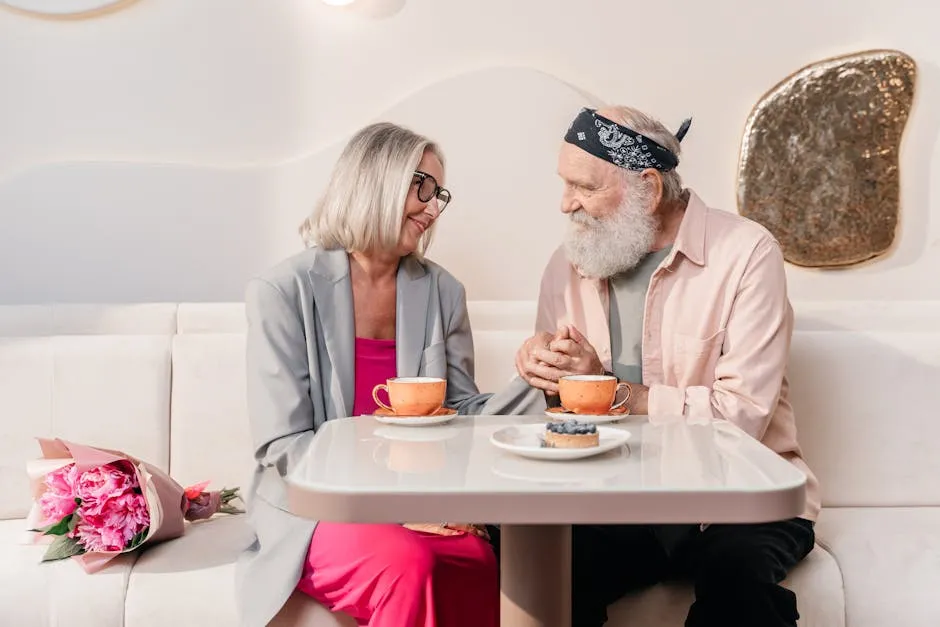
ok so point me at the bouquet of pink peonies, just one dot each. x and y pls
(94, 504)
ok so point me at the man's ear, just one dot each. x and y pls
(654, 179)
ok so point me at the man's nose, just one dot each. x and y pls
(569, 204)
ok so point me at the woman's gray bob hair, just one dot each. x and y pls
(362, 209)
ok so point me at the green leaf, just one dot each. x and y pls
(61, 548)
(136, 540)
(60, 528)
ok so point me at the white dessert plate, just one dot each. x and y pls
(592, 470)
(526, 440)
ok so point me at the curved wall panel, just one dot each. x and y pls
(152, 232)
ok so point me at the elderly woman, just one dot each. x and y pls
(359, 306)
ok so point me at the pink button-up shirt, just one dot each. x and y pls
(716, 328)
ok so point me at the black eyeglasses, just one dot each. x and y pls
(428, 189)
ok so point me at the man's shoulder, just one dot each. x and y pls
(723, 223)
(558, 263)
(557, 272)
(733, 233)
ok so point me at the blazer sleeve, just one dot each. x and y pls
(462, 391)
(280, 412)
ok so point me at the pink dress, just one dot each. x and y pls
(384, 575)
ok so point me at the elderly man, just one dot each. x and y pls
(688, 305)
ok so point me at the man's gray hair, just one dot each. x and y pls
(655, 130)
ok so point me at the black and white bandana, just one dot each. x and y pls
(620, 145)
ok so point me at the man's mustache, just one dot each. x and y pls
(581, 217)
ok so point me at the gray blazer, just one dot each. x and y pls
(300, 373)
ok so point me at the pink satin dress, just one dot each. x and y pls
(384, 575)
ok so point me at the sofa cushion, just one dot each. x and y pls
(56, 594)
(816, 582)
(87, 319)
(865, 409)
(193, 577)
(209, 432)
(890, 560)
(495, 357)
(211, 318)
(105, 390)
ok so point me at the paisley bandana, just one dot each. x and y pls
(620, 145)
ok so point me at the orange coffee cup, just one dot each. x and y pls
(590, 394)
(412, 396)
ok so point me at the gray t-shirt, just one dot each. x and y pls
(627, 304)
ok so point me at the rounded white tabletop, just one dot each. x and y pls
(670, 470)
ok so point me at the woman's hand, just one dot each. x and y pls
(449, 529)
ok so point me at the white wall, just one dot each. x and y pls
(167, 151)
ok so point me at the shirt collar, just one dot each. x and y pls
(690, 240)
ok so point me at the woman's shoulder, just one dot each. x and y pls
(447, 283)
(287, 276)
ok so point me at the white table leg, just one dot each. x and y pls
(535, 575)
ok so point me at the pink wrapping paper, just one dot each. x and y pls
(164, 496)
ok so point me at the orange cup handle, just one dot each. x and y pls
(375, 397)
(625, 386)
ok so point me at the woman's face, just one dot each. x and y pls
(420, 215)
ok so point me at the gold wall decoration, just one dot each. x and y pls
(819, 158)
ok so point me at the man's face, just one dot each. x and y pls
(591, 185)
(612, 226)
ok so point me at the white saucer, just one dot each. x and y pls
(526, 440)
(416, 421)
(416, 435)
(597, 419)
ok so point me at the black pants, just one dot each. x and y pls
(736, 569)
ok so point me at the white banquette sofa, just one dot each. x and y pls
(165, 382)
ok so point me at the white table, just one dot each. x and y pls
(670, 471)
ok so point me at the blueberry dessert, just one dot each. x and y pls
(571, 434)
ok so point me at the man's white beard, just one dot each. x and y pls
(602, 247)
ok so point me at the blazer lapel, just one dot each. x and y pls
(332, 292)
(411, 312)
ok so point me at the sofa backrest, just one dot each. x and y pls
(165, 382)
(209, 434)
(87, 373)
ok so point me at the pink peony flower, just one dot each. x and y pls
(110, 524)
(104, 482)
(58, 501)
